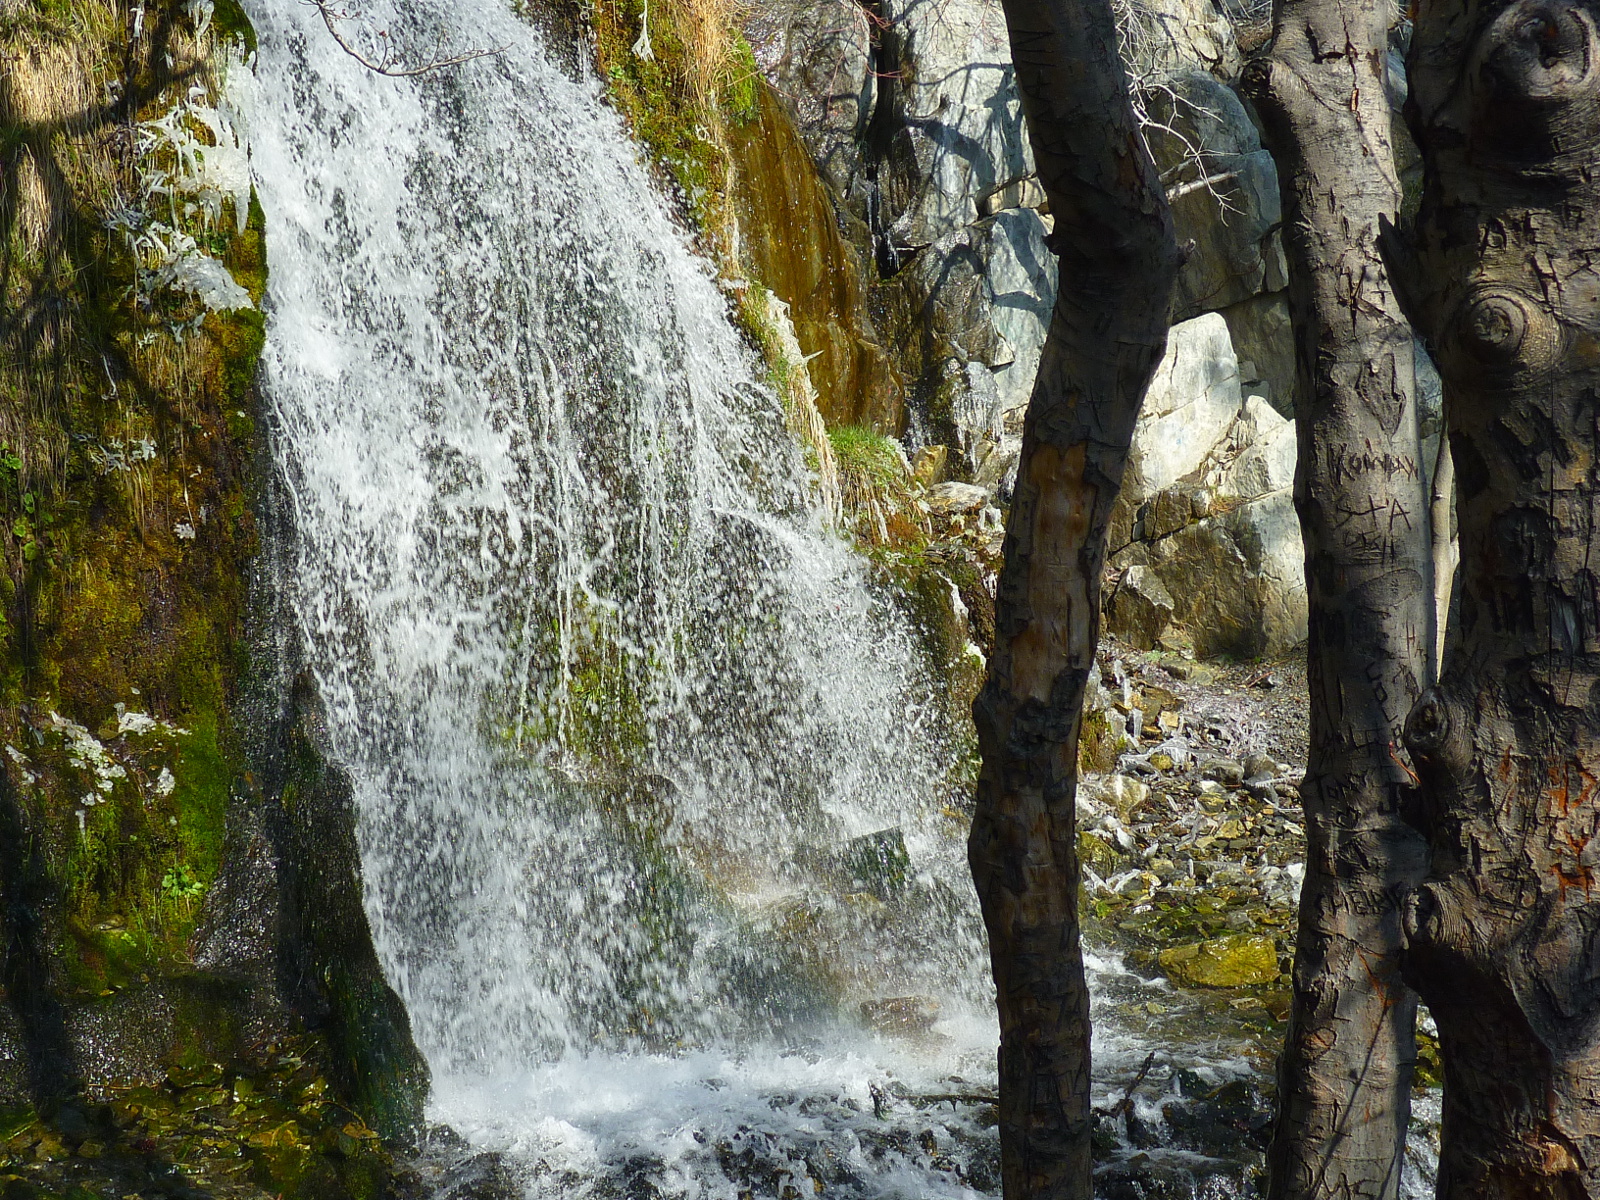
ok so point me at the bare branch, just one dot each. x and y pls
(390, 63)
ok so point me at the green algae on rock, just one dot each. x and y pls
(263, 1126)
(1241, 960)
(143, 875)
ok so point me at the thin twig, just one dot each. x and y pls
(1125, 1105)
(389, 64)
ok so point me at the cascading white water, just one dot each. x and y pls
(616, 705)
(578, 629)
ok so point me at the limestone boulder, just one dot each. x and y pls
(1264, 458)
(1237, 579)
(1141, 608)
(984, 294)
(1207, 509)
(958, 116)
(946, 499)
(1223, 187)
(1019, 277)
(1174, 35)
(1263, 339)
(1192, 403)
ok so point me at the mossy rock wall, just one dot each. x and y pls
(749, 186)
(790, 241)
(155, 897)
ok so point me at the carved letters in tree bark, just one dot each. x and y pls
(1345, 1075)
(1504, 937)
(1119, 262)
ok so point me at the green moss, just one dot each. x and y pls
(126, 528)
(600, 715)
(205, 776)
(1429, 1070)
(666, 107)
(1238, 960)
(1099, 743)
(264, 1123)
(741, 99)
(869, 456)
(232, 24)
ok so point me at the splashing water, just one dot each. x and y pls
(621, 715)
(602, 678)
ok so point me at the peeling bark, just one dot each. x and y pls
(1345, 1075)
(1119, 264)
(1504, 936)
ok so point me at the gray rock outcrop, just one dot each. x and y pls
(961, 139)
(1207, 507)
(1223, 188)
(910, 110)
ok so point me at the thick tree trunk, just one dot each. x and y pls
(1345, 1075)
(1504, 937)
(1119, 263)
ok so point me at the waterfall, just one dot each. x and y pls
(658, 812)
(642, 762)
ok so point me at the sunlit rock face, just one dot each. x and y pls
(1207, 508)
(910, 112)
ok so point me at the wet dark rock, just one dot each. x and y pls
(878, 863)
(1149, 1177)
(482, 1177)
(1222, 1118)
(1222, 770)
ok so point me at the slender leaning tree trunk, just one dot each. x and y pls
(1504, 937)
(1119, 261)
(1345, 1075)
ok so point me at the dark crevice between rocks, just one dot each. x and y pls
(883, 132)
(26, 896)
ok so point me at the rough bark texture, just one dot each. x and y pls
(1119, 263)
(1345, 1075)
(1504, 937)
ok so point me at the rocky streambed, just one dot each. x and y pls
(1192, 841)
(1192, 844)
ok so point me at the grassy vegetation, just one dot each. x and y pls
(680, 71)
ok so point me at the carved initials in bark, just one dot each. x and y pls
(1345, 1075)
(1504, 938)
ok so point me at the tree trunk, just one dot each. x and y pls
(1504, 936)
(1345, 1074)
(1119, 263)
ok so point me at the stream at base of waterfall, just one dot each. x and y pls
(662, 826)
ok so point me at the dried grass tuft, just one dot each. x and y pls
(709, 30)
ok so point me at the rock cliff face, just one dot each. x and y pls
(909, 111)
(178, 883)
(874, 180)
